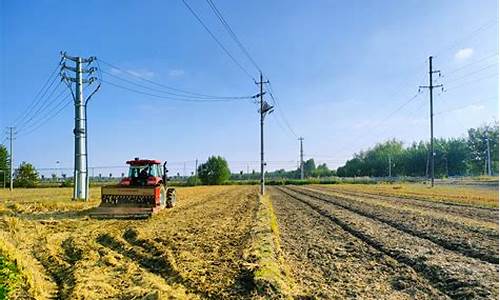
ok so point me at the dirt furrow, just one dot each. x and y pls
(467, 211)
(208, 239)
(329, 263)
(480, 243)
(458, 276)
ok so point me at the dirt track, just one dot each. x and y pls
(343, 245)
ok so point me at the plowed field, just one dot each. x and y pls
(324, 242)
(356, 245)
(194, 250)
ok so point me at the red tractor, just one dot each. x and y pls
(139, 195)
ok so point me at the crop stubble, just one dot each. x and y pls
(195, 250)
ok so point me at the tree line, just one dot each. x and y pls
(310, 170)
(464, 156)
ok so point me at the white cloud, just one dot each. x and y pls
(115, 71)
(142, 73)
(476, 107)
(464, 54)
(176, 73)
(135, 72)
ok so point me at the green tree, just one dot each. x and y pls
(214, 171)
(477, 142)
(4, 163)
(26, 175)
(309, 167)
(322, 171)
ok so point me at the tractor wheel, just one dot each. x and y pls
(170, 198)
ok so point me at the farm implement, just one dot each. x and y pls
(138, 196)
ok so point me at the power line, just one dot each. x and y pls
(174, 94)
(39, 114)
(167, 97)
(51, 114)
(235, 38)
(472, 81)
(42, 100)
(161, 84)
(474, 72)
(46, 103)
(232, 34)
(282, 114)
(50, 117)
(472, 63)
(471, 34)
(217, 40)
(465, 106)
(34, 102)
(482, 27)
(388, 116)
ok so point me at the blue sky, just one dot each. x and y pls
(338, 69)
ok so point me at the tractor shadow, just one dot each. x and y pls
(151, 258)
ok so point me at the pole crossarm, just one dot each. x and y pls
(64, 56)
(430, 87)
(89, 70)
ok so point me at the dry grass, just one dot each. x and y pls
(192, 251)
(448, 194)
(44, 200)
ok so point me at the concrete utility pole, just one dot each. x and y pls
(301, 139)
(489, 156)
(11, 152)
(264, 109)
(431, 87)
(80, 174)
(196, 168)
(390, 167)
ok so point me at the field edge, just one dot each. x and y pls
(271, 275)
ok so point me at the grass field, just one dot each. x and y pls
(222, 242)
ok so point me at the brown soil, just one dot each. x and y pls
(342, 246)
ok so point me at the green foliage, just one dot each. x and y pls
(453, 157)
(67, 183)
(310, 171)
(309, 167)
(323, 171)
(193, 180)
(477, 142)
(214, 171)
(26, 175)
(4, 163)
(10, 277)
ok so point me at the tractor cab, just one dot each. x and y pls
(144, 172)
